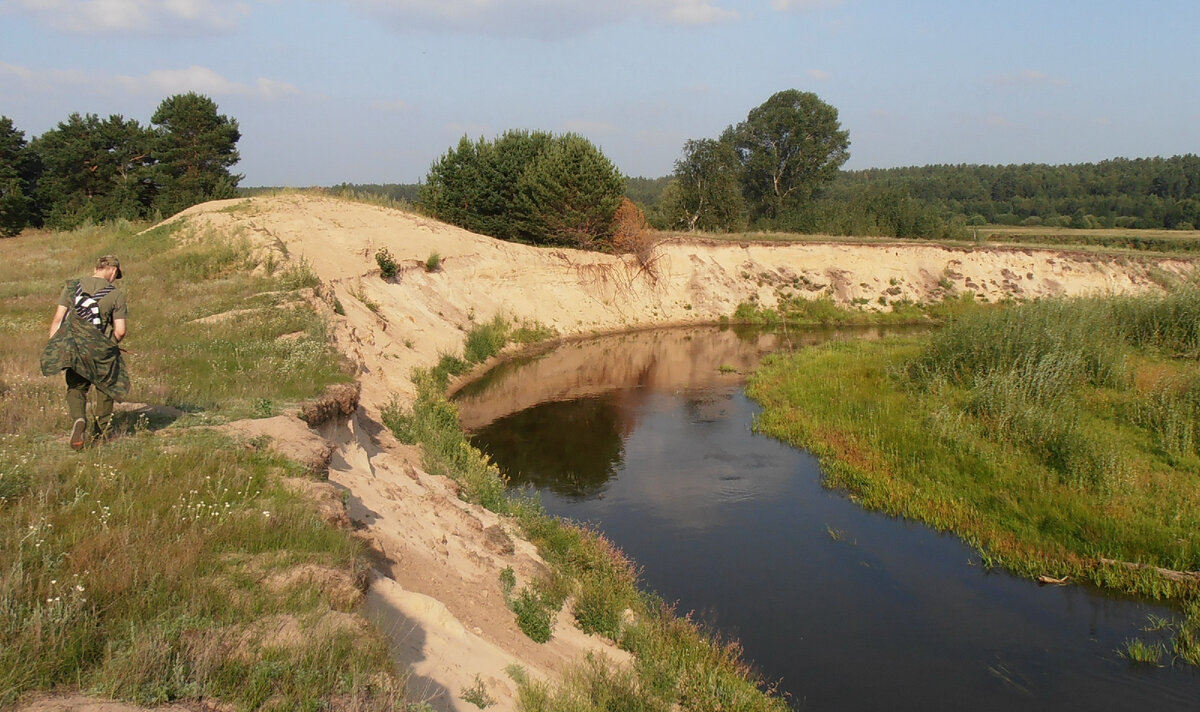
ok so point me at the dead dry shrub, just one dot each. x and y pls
(633, 236)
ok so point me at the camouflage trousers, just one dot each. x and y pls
(77, 393)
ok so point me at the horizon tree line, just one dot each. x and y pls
(88, 169)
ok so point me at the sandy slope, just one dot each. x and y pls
(437, 593)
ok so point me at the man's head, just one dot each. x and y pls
(108, 267)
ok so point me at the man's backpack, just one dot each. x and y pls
(87, 306)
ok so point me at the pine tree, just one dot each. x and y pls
(194, 148)
(17, 175)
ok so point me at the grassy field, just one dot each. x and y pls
(1059, 438)
(172, 562)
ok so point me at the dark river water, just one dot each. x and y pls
(648, 438)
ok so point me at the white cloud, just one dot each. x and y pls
(802, 5)
(1027, 78)
(819, 75)
(537, 18)
(160, 82)
(118, 16)
(271, 89)
(174, 81)
(203, 80)
(698, 12)
(45, 80)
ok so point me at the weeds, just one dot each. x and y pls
(478, 695)
(387, 263)
(433, 263)
(1138, 651)
(360, 294)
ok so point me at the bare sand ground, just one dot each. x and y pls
(437, 591)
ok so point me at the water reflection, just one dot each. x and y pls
(686, 359)
(581, 444)
(848, 609)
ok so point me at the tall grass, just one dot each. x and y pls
(162, 565)
(1052, 436)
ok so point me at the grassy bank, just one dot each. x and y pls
(173, 562)
(678, 666)
(1059, 438)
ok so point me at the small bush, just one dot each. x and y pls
(533, 615)
(387, 263)
(433, 263)
(486, 340)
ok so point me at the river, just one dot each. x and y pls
(648, 437)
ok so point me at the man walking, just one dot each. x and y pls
(89, 322)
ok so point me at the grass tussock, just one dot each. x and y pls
(1056, 436)
(158, 566)
(679, 665)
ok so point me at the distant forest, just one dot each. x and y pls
(944, 200)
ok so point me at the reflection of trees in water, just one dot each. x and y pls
(577, 445)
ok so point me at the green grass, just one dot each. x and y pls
(678, 664)
(1049, 435)
(156, 566)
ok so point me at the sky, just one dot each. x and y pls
(374, 91)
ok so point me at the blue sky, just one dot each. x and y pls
(361, 91)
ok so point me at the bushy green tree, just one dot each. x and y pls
(789, 146)
(569, 194)
(526, 185)
(474, 185)
(194, 148)
(94, 169)
(706, 192)
(18, 172)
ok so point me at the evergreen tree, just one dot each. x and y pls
(194, 148)
(474, 185)
(526, 185)
(569, 195)
(18, 172)
(94, 170)
(71, 155)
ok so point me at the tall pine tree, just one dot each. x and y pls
(194, 148)
(18, 172)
